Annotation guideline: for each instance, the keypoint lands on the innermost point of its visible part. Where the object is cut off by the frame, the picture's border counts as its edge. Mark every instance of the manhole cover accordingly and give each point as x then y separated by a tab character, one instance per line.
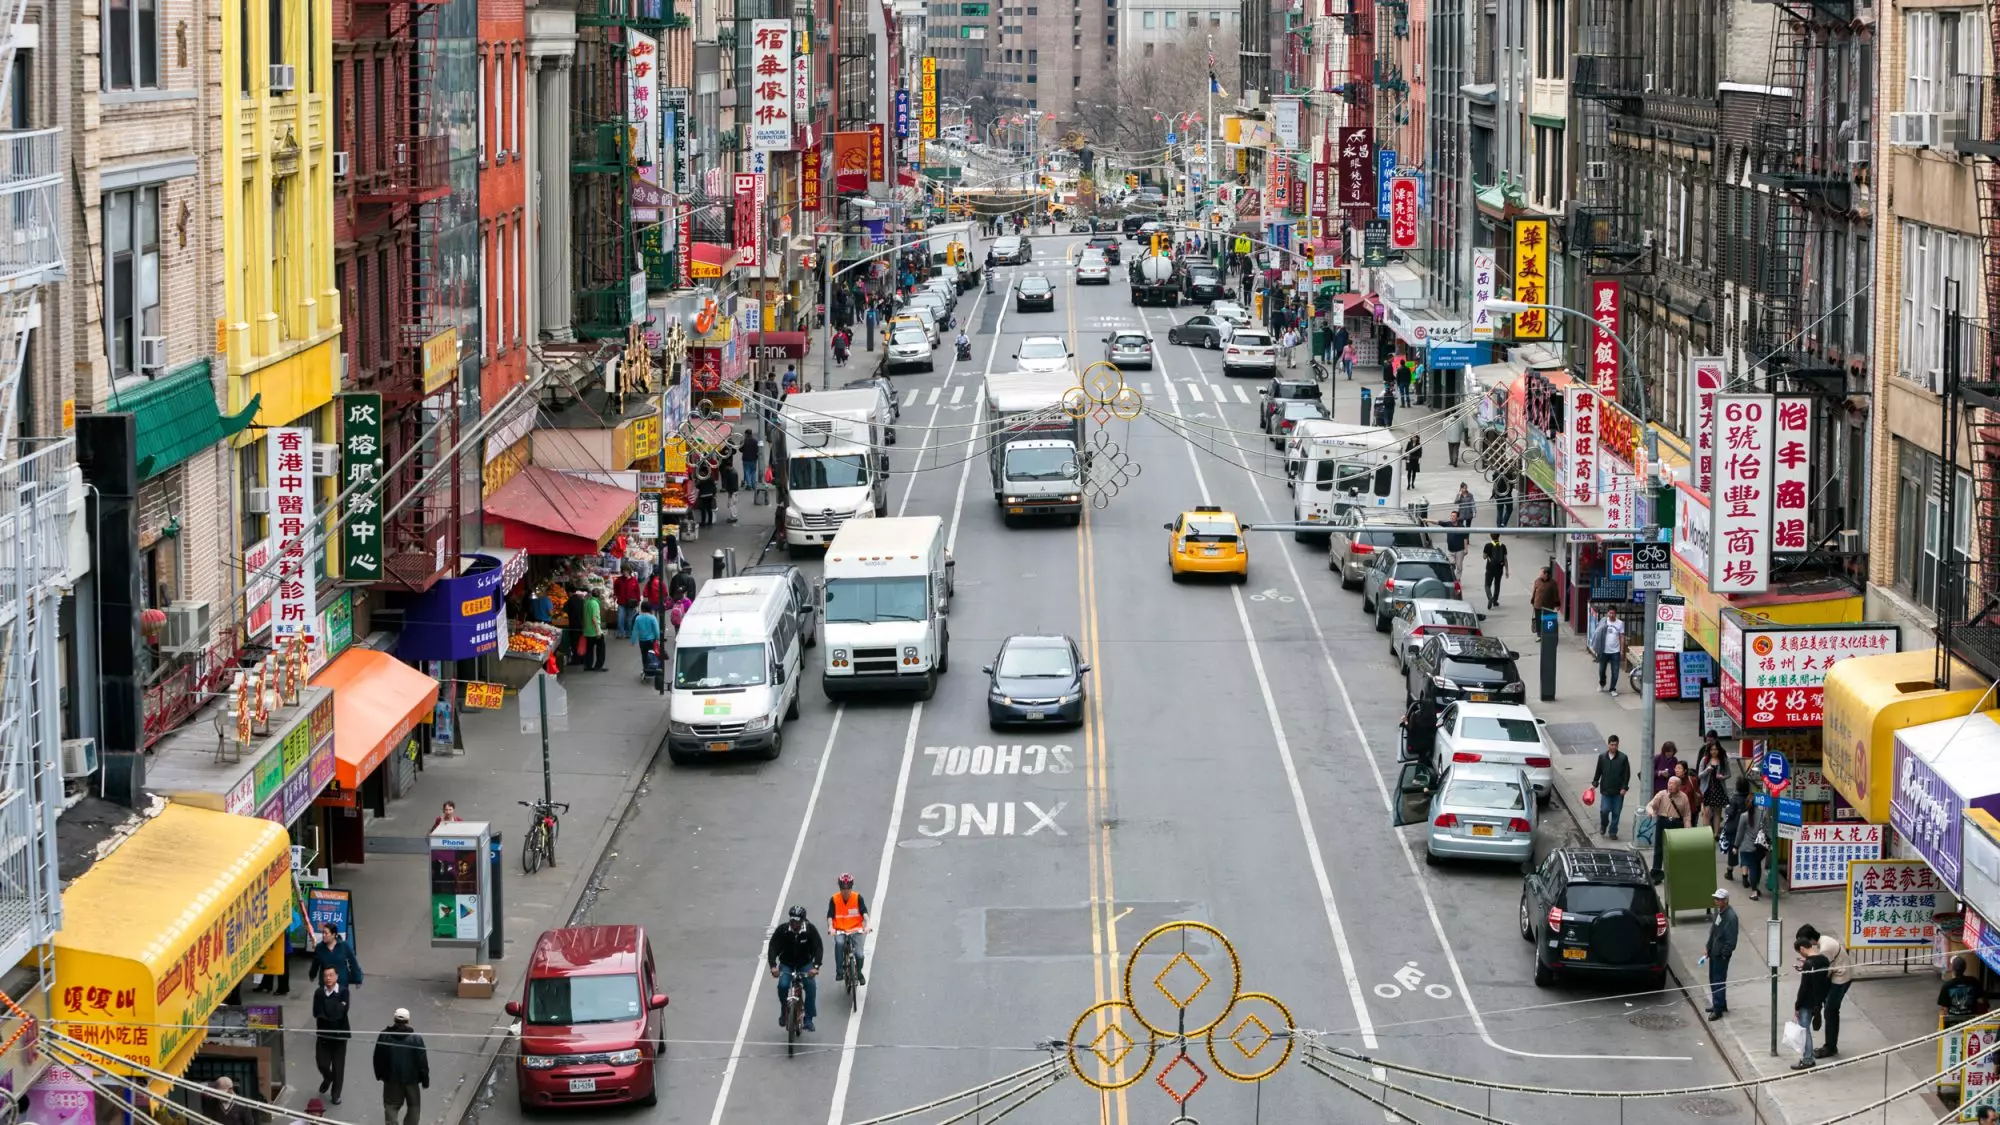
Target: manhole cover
1702	1105
920	842
1656	1021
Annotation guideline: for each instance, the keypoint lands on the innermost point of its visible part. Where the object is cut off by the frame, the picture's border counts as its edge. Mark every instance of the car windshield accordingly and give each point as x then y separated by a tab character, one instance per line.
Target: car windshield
1298	390
1499	796
1034	285
911	336
1419	570
718	666
569	1001
1210	531
1034	661
848	470
864	600
1044	347
1395	538
1498	728
1041	464
1128	341
1298	411
1473	672
1587	898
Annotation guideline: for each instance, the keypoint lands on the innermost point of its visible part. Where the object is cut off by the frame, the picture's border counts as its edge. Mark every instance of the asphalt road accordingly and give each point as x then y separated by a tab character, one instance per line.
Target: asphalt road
1232	771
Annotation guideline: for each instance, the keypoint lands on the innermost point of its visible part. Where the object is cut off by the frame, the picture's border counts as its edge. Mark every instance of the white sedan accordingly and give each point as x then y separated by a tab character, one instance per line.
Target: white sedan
1506	734
1232	312
1093	269
1043	353
908	348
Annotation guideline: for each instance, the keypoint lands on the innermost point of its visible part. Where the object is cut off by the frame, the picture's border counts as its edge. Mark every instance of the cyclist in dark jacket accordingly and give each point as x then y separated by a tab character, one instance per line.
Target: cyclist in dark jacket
796	948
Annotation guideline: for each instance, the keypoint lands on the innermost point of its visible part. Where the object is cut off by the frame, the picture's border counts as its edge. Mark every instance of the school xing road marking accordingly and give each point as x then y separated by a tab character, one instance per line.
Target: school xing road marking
1408	979
1005	758
991	818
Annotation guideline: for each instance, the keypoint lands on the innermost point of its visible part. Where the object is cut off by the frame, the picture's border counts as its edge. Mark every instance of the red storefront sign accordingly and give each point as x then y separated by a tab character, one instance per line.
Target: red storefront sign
1403	213
1604	306
749	220
1279	182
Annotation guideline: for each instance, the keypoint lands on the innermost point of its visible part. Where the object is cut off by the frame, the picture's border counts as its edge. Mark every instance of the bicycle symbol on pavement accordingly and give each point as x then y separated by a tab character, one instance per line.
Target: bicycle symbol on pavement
1271	596
1409	978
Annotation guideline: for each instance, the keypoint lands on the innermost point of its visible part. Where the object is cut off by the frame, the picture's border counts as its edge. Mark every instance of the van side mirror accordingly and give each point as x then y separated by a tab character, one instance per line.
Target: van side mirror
514	1008
1416	783
987	669
778	674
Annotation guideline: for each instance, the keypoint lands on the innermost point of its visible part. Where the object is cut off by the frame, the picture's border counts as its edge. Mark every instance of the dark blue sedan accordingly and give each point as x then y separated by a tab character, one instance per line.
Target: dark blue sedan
1036	680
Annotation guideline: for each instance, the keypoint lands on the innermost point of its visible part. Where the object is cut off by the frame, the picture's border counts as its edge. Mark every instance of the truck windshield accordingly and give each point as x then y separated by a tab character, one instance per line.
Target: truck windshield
845	471
1041	464
719	666
864	600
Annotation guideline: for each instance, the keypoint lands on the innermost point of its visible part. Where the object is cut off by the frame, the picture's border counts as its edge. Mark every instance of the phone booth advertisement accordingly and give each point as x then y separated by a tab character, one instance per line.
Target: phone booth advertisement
461	885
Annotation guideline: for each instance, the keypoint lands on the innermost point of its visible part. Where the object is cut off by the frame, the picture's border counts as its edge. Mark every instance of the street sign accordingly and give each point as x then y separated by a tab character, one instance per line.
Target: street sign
1791	817
1777	772
1620	562
1653	566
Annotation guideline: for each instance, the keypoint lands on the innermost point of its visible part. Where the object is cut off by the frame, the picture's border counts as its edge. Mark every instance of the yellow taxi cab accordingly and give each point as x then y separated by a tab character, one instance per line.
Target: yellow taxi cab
1207	540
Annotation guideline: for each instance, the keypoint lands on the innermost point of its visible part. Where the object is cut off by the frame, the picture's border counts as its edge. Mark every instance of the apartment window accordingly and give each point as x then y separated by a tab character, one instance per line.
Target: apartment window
1146	19
340	119
1931	258
1193	20
162	569
243	47
1215	19
131	44
1941	47
281	236
1173	19
276	16
250	469
1551	46
131	274
1033	55
485	107
1930	558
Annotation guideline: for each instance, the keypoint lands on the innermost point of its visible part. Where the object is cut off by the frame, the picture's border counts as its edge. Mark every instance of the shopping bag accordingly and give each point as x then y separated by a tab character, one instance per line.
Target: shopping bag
1590	794
1794	1037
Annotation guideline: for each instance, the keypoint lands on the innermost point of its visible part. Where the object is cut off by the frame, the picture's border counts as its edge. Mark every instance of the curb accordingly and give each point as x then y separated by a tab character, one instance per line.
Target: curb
462	1106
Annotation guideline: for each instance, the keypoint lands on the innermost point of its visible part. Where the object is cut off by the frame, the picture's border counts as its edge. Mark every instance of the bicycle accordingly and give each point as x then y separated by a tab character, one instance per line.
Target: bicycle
850	969
539	845
795	1008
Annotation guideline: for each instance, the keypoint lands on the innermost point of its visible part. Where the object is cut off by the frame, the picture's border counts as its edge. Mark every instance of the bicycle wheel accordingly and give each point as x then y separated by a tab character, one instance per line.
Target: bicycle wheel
531	851
794	1020
851	970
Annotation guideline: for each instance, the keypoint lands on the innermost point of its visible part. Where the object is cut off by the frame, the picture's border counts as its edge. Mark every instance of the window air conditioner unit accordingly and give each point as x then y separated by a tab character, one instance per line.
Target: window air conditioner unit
1858	152
339	165
257	501
1596	170
1913	130
79	757
1850	541
284	78
187	627
325	459
152	354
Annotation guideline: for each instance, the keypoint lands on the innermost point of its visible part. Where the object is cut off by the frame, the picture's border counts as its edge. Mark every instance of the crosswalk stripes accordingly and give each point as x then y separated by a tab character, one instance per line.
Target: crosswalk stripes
1242	396
957	396
910	396
1194	391
932	400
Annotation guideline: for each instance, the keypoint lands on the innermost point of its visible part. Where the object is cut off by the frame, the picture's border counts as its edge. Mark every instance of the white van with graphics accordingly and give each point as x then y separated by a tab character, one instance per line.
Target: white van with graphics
737	661
886	585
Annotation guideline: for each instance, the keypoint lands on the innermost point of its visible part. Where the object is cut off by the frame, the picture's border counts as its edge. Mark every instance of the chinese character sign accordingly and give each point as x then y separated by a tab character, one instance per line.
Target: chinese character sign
1580	447
1531	277
1278	175
902	114
810	176
1780	672
292	520
642	88
1403	213
1740	507
677	102
1322	190
771	85
878	168
801	86
1705	378
1791	473
1891	903
1617	490
749	220
1385	173
1604	337
1821	852
361	478
927	121
1285	114
1485	269
684	243
1357	167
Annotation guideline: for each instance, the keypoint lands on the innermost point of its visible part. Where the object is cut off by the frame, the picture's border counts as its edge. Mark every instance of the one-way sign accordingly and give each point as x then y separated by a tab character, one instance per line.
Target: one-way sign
1652	566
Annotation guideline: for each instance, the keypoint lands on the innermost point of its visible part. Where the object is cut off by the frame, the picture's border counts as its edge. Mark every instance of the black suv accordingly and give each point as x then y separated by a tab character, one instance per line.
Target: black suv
1594	910
1475	669
1131	223
1277	392
1204	284
1108	244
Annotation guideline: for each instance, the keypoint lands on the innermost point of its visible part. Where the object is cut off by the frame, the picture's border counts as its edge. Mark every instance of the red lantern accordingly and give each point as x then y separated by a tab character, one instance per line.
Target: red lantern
152	622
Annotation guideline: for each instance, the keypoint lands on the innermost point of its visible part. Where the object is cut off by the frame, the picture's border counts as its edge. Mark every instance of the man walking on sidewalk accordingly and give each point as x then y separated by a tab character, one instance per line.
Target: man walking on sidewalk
1612	778
403	1066
1456	541
1495	554
1607	640
1723	930
1454	436
331	1001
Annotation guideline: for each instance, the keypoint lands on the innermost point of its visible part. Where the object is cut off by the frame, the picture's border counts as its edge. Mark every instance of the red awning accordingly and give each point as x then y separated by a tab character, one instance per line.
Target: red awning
715	258
1348	301
778	345
544	512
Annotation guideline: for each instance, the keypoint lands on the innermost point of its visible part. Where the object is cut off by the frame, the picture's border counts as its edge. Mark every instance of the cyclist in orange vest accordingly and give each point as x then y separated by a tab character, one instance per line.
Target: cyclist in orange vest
847	917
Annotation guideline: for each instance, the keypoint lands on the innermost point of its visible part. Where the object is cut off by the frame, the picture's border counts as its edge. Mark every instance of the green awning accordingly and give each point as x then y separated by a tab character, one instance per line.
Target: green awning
177	417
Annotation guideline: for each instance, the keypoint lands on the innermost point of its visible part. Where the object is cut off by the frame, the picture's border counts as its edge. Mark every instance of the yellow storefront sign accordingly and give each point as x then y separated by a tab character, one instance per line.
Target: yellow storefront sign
151	942
440	359
505	466
1869	699
1704	607
645	437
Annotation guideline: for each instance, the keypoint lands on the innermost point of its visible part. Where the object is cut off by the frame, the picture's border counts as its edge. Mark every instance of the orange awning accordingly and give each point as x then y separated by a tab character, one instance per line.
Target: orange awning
377	701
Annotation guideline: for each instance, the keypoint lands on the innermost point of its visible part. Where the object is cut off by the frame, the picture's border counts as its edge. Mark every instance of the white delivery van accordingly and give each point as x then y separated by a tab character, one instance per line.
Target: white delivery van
885	588
1034	449
832	462
737	664
1334	465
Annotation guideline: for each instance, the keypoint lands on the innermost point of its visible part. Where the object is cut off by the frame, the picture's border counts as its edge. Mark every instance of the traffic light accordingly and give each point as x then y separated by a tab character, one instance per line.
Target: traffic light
1131	181
1157	238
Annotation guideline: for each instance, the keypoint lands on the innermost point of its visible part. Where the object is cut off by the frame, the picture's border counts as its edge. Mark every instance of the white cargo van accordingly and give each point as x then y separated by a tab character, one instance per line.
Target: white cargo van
737	665
886	585
832	461
1335	465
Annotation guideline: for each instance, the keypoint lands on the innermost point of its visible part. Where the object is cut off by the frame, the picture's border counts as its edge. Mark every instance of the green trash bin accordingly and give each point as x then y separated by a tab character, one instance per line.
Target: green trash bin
1690	868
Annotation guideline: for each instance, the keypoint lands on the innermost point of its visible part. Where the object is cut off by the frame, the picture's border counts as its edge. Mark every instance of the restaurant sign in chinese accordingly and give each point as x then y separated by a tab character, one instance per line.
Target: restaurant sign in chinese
1821	852
1892	903
1357	168
1531	277
1774	676
1740	506
1485	270
927	104
1791	455
289	476
1403	213
1604	337
1579	447
770	85
360	480
1705	375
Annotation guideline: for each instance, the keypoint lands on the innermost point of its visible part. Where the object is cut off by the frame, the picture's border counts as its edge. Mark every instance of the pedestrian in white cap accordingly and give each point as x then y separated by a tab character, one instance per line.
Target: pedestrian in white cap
1723	929
403	1067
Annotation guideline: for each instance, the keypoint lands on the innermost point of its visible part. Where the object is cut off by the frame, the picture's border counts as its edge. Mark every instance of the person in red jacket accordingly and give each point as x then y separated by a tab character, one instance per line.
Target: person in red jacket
625	591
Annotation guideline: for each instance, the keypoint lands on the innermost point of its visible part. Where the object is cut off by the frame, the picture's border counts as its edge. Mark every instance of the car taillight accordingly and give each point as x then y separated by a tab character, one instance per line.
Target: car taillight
1361	549
1389	584
1446	820
1456	588
1538	763
1234	351
1659	925
1464	756
1555	918
1519	824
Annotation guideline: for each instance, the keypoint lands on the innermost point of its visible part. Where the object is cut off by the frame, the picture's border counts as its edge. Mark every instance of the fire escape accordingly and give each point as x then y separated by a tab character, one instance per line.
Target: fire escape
408	173
605	242
1601	226
35	484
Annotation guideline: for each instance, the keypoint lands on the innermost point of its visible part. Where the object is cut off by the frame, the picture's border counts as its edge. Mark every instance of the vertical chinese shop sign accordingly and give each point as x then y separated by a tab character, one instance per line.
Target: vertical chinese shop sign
290	472
360	479
1531	277
1604	337
1740	508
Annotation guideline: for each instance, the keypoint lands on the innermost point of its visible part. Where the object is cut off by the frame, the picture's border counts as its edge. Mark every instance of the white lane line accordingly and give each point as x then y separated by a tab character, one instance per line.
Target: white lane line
1172	394
1242	395
933	400
1194	391
910	396
958	394
1145	388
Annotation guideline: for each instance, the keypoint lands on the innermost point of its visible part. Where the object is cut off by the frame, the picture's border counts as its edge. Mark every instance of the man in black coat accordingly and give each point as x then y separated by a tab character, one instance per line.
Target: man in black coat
1723	930
403	1067
331	1003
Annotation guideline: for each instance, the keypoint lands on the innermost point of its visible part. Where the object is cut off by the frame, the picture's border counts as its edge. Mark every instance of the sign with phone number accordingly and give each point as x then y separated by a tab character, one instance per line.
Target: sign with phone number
484	697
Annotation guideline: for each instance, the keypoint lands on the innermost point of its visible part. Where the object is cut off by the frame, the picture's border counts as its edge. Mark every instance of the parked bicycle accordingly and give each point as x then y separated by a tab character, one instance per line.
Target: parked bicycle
539	846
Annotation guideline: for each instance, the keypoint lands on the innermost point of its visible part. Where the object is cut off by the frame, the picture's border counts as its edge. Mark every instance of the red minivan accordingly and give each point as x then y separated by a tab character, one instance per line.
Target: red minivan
590	1019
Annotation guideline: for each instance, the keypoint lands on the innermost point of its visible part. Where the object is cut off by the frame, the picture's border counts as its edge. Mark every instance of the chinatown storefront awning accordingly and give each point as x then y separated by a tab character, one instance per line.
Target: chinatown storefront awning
778	345
377	701
544	512
711	260
1867	700
156	933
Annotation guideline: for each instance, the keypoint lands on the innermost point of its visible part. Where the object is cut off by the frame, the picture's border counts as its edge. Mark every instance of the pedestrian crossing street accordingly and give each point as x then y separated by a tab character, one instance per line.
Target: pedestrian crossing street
1175	391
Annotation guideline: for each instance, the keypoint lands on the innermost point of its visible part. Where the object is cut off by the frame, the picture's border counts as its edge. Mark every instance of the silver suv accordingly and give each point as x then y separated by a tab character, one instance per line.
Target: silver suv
1353	543
1397	576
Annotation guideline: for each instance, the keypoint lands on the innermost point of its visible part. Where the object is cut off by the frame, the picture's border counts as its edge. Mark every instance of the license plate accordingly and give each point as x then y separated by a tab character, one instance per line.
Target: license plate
1015	511
1476	696
1035	715
583	1085
718	747
1482	830
1211	551
1575	954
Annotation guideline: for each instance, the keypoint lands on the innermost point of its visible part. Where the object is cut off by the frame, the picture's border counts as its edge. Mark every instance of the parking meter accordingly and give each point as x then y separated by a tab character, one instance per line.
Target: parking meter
1549	625
1366	397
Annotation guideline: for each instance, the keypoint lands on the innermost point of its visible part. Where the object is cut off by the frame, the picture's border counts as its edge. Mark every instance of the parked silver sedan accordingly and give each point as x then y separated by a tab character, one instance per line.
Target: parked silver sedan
1482	811
1427	617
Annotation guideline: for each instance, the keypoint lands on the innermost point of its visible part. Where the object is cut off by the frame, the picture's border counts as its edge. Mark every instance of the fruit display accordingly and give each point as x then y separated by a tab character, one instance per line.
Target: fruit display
531	640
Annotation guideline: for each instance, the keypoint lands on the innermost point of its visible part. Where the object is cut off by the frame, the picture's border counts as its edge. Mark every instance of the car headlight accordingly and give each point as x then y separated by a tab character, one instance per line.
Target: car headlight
624	1058
761	722
679	728
1073	498
864	510
539	1062
1067	699
1002	699
910	655
1013	499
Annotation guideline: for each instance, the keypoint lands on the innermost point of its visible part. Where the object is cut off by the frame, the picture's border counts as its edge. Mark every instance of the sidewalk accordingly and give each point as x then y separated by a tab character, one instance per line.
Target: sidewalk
616	723
1887	1004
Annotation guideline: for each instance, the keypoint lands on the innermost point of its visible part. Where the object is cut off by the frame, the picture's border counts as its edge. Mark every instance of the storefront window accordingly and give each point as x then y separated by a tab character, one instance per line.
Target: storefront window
1931	557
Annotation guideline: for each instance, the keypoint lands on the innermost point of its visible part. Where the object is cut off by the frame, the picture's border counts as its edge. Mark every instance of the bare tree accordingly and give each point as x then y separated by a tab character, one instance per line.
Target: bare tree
1129	110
